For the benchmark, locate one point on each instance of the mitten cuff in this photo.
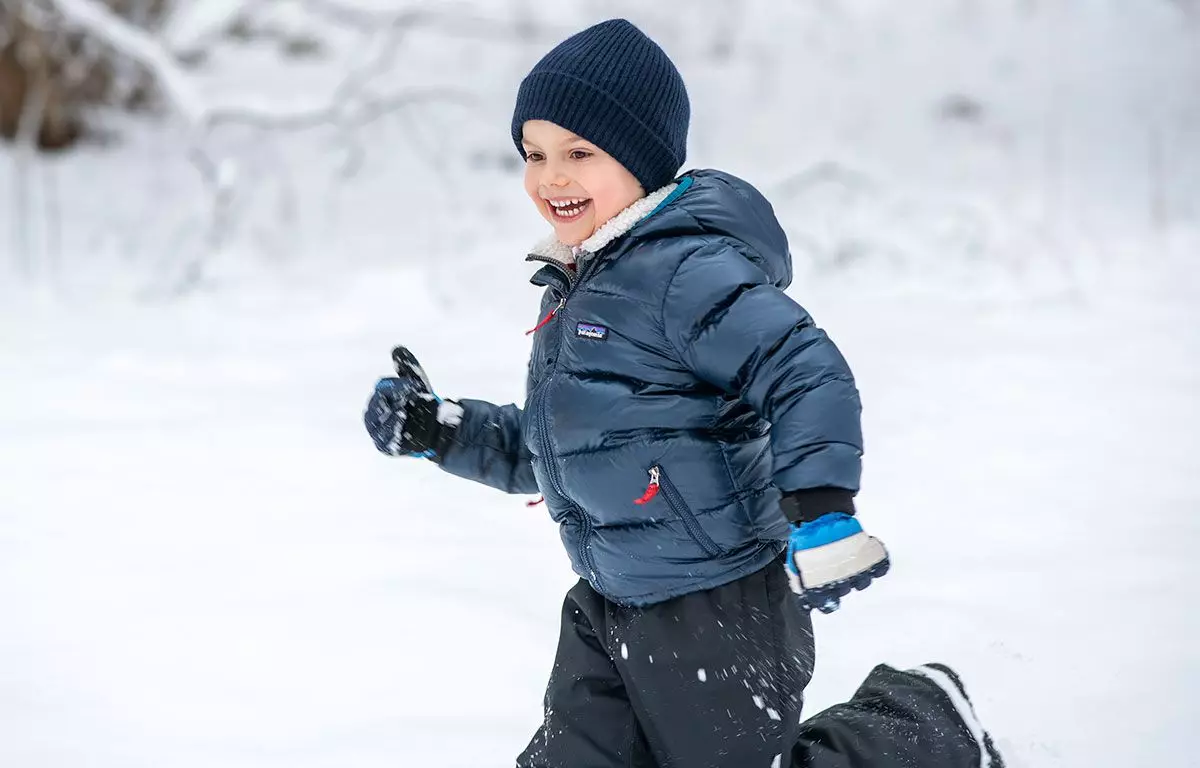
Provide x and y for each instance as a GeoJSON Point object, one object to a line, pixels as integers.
{"type": "Point", "coordinates": [806, 505]}
{"type": "Point", "coordinates": [449, 417]}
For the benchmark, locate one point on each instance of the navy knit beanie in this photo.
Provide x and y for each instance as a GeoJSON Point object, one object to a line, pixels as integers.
{"type": "Point", "coordinates": [612, 85]}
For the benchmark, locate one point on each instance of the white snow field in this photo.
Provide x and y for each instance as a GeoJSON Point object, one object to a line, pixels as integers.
{"type": "Point", "coordinates": [204, 563]}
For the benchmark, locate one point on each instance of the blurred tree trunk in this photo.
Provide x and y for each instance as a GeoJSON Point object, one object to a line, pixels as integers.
{"type": "Point", "coordinates": [45, 65]}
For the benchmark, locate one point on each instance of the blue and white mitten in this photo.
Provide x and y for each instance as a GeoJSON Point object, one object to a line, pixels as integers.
{"type": "Point", "coordinates": [829, 554]}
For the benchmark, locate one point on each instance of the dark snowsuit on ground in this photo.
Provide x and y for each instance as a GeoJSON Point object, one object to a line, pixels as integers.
{"type": "Point", "coordinates": [674, 349]}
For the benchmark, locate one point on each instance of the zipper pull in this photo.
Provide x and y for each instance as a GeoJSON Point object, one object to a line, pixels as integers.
{"type": "Point", "coordinates": [652, 489]}
{"type": "Point", "coordinates": [547, 318]}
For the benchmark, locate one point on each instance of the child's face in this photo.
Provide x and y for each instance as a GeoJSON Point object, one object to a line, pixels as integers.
{"type": "Point", "coordinates": [562, 169]}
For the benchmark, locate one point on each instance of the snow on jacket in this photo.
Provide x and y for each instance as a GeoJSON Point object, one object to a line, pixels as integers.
{"type": "Point", "coordinates": [675, 372]}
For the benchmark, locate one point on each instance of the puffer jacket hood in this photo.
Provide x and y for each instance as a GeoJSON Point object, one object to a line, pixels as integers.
{"type": "Point", "coordinates": [673, 392]}
{"type": "Point", "coordinates": [718, 204]}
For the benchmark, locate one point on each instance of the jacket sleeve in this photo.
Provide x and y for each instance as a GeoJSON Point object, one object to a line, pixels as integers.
{"type": "Point", "coordinates": [487, 447]}
{"type": "Point", "coordinates": [735, 330]}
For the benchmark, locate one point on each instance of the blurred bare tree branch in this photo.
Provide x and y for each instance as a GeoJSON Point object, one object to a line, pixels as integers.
{"type": "Point", "coordinates": [68, 71]}
{"type": "Point", "coordinates": [60, 57]}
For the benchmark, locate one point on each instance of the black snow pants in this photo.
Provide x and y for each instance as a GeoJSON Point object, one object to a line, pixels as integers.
{"type": "Point", "coordinates": [715, 679]}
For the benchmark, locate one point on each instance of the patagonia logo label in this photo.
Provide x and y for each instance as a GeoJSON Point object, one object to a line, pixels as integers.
{"type": "Point", "coordinates": [591, 331]}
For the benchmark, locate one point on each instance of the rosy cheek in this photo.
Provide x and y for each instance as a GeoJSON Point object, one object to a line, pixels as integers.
{"type": "Point", "coordinates": [604, 211]}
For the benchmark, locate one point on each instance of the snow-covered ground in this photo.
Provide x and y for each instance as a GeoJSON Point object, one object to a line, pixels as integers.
{"type": "Point", "coordinates": [204, 562]}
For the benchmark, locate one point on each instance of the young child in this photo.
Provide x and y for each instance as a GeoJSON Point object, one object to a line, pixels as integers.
{"type": "Point", "coordinates": [695, 436]}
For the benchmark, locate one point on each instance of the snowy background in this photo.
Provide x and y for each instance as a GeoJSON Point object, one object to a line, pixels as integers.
{"type": "Point", "coordinates": [994, 207]}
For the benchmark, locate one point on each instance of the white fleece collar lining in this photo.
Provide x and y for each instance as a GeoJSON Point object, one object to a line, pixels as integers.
{"type": "Point", "coordinates": [612, 229]}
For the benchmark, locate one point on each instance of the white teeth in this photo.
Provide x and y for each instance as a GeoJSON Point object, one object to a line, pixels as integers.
{"type": "Point", "coordinates": [568, 209]}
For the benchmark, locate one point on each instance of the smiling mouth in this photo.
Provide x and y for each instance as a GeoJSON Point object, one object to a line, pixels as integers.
{"type": "Point", "coordinates": [568, 209]}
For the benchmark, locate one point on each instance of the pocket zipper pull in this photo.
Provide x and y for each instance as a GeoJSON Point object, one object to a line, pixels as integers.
{"type": "Point", "coordinates": [652, 489]}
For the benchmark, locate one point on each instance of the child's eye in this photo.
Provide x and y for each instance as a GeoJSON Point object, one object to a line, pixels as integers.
{"type": "Point", "coordinates": [533, 157]}
{"type": "Point", "coordinates": [580, 154]}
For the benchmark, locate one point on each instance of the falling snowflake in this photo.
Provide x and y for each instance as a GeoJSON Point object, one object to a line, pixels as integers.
{"type": "Point", "coordinates": [700, 673]}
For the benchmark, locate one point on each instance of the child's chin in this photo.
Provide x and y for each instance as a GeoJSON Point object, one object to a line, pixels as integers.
{"type": "Point", "coordinates": [571, 235]}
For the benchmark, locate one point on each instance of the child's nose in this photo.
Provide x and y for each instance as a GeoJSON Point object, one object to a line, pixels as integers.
{"type": "Point", "coordinates": [553, 176]}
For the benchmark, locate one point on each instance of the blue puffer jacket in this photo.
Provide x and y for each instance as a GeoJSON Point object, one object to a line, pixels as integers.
{"type": "Point", "coordinates": [675, 356]}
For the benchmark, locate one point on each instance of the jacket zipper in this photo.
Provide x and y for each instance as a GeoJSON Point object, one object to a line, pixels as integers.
{"type": "Point", "coordinates": [567, 273]}
{"type": "Point", "coordinates": [543, 429]}
{"type": "Point", "coordinates": [585, 555]}
{"type": "Point", "coordinates": [546, 320]}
